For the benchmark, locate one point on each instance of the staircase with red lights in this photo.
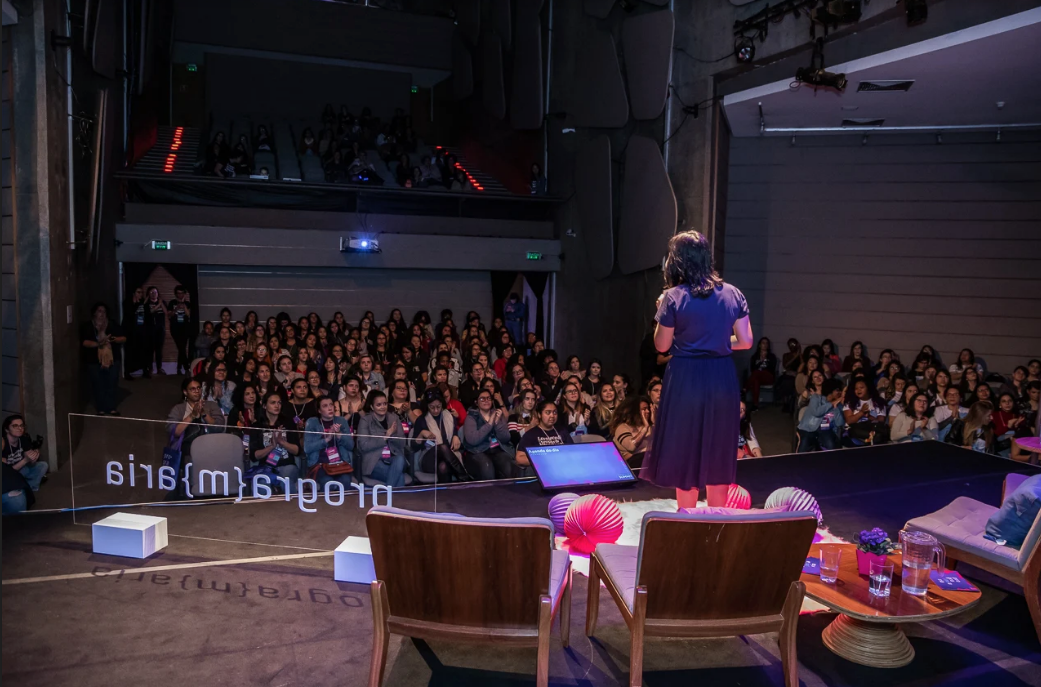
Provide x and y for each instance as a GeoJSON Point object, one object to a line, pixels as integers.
{"type": "Point", "coordinates": [481, 181]}
{"type": "Point", "coordinates": [175, 151]}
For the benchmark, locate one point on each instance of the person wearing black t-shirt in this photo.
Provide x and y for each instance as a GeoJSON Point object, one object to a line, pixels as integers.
{"type": "Point", "coordinates": [136, 333]}
{"type": "Point", "coordinates": [545, 434]}
{"type": "Point", "coordinates": [552, 384]}
{"type": "Point", "coordinates": [274, 442]}
{"type": "Point", "coordinates": [180, 309]}
{"type": "Point", "coordinates": [469, 388]}
{"type": "Point", "coordinates": [155, 327]}
{"type": "Point", "coordinates": [302, 407]}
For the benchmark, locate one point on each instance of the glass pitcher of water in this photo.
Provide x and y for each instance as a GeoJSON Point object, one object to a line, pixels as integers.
{"type": "Point", "coordinates": [920, 549]}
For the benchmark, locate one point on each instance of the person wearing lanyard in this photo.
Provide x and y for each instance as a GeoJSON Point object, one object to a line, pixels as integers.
{"type": "Point", "coordinates": [329, 446]}
{"type": "Point", "coordinates": [273, 441]}
{"type": "Point", "coordinates": [180, 309]}
{"type": "Point", "coordinates": [544, 434]}
{"type": "Point", "coordinates": [155, 326]}
{"type": "Point", "coordinates": [434, 440]}
{"type": "Point", "coordinates": [301, 404]}
{"type": "Point", "coordinates": [381, 441]}
{"type": "Point", "coordinates": [486, 440]}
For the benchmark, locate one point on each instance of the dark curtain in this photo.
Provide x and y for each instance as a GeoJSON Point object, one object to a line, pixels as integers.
{"type": "Point", "coordinates": [537, 281]}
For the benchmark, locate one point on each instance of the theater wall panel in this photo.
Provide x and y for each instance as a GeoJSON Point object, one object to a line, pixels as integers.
{"type": "Point", "coordinates": [595, 204]}
{"type": "Point", "coordinates": [526, 99]}
{"type": "Point", "coordinates": [897, 243]}
{"type": "Point", "coordinates": [647, 46]}
{"type": "Point", "coordinates": [599, 96]}
{"type": "Point", "coordinates": [493, 90]}
{"type": "Point", "coordinates": [648, 207]}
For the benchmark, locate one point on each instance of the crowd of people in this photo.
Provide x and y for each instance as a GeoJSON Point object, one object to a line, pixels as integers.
{"type": "Point", "coordinates": [855, 401]}
{"type": "Point", "coordinates": [394, 400]}
{"type": "Point", "coordinates": [345, 146]}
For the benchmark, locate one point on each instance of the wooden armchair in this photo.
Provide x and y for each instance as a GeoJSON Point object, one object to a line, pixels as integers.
{"type": "Point", "coordinates": [707, 576]}
{"type": "Point", "coordinates": [960, 526]}
{"type": "Point", "coordinates": [493, 580]}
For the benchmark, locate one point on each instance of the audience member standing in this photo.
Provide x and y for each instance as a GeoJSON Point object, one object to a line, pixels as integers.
{"type": "Point", "coordinates": [155, 326]}
{"type": "Point", "coordinates": [180, 309]}
{"type": "Point", "coordinates": [100, 343]}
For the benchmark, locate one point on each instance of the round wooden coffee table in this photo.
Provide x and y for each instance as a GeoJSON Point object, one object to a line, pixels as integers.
{"type": "Point", "coordinates": [867, 630]}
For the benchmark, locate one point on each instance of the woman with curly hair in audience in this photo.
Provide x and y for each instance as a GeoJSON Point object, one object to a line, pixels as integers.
{"type": "Point", "coordinates": [829, 356]}
{"type": "Point", "coordinates": [631, 429]}
{"type": "Point", "coordinates": [865, 413]}
{"type": "Point", "coordinates": [910, 424]}
{"type": "Point", "coordinates": [245, 409]}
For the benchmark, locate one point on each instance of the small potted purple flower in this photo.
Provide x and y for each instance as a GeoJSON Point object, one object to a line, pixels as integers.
{"type": "Point", "coordinates": [872, 545]}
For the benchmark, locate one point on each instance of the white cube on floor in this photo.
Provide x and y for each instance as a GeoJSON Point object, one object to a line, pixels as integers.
{"type": "Point", "coordinates": [352, 561]}
{"type": "Point", "coordinates": [130, 535]}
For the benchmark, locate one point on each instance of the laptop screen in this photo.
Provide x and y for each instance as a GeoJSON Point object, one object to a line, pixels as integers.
{"type": "Point", "coordinates": [579, 465]}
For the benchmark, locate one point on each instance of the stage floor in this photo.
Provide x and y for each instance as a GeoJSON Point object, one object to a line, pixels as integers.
{"type": "Point", "coordinates": [244, 594]}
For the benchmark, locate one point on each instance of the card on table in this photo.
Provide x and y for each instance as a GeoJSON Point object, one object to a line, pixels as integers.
{"type": "Point", "coordinates": [812, 566]}
{"type": "Point", "coordinates": [950, 581]}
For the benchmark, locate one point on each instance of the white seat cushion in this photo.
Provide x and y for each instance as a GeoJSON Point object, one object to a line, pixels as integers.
{"type": "Point", "coordinates": [962, 524]}
{"type": "Point", "coordinates": [558, 561]}
{"type": "Point", "coordinates": [619, 562]}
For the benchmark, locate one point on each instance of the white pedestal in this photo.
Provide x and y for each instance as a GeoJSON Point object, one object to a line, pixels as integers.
{"type": "Point", "coordinates": [130, 535]}
{"type": "Point", "coordinates": [352, 561]}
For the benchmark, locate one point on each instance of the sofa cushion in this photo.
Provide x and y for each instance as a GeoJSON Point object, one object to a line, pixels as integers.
{"type": "Point", "coordinates": [962, 524]}
{"type": "Point", "coordinates": [1016, 516]}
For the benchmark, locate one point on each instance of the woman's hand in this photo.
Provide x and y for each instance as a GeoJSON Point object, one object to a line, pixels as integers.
{"type": "Point", "coordinates": [455, 443]}
{"type": "Point", "coordinates": [33, 455]}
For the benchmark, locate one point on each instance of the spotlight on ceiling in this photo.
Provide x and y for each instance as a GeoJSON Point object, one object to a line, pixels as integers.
{"type": "Point", "coordinates": [744, 49]}
{"type": "Point", "coordinates": [917, 11]}
{"type": "Point", "coordinates": [816, 75]}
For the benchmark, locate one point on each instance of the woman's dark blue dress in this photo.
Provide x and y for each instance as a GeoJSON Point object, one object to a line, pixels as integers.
{"type": "Point", "coordinates": [695, 435]}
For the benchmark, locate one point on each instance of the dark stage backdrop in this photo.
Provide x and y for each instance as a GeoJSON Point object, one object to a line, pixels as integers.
{"type": "Point", "coordinates": [897, 243]}
{"type": "Point", "coordinates": [238, 85]}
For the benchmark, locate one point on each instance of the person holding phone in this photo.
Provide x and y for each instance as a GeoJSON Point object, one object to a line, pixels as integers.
{"type": "Point", "coordinates": [701, 321]}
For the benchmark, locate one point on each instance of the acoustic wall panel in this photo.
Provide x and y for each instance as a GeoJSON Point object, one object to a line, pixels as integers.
{"type": "Point", "coordinates": [501, 17]}
{"type": "Point", "coordinates": [649, 211]}
{"type": "Point", "coordinates": [526, 100]}
{"type": "Point", "coordinates": [647, 46]}
{"type": "Point", "coordinates": [594, 201]}
{"type": "Point", "coordinates": [600, 92]}
{"type": "Point", "coordinates": [493, 91]}
{"type": "Point", "coordinates": [462, 68]}
{"type": "Point", "coordinates": [598, 8]}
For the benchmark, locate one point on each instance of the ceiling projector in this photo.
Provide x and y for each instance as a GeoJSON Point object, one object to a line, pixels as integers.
{"type": "Point", "coordinates": [359, 245]}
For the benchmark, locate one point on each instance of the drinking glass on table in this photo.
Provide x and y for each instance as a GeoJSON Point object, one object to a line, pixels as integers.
{"type": "Point", "coordinates": [880, 578]}
{"type": "Point", "coordinates": [830, 558]}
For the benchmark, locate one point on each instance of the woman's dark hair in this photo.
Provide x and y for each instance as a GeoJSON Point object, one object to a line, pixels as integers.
{"type": "Point", "coordinates": [433, 394]}
{"type": "Point", "coordinates": [628, 412]}
{"type": "Point", "coordinates": [188, 380]}
{"type": "Point", "coordinates": [268, 395]}
{"type": "Point", "coordinates": [542, 405]}
{"type": "Point", "coordinates": [909, 408]}
{"type": "Point", "coordinates": [851, 392]}
{"type": "Point", "coordinates": [972, 356]}
{"type": "Point", "coordinates": [826, 342]}
{"type": "Point", "coordinates": [655, 381]}
{"type": "Point", "coordinates": [689, 263]}
{"type": "Point", "coordinates": [853, 347]}
{"type": "Point", "coordinates": [596, 361]}
{"type": "Point", "coordinates": [934, 357]}
{"type": "Point", "coordinates": [371, 399]}
{"type": "Point", "coordinates": [769, 345]}
{"type": "Point", "coordinates": [94, 309]}
{"type": "Point", "coordinates": [745, 428]}
{"type": "Point", "coordinates": [11, 418]}
{"type": "Point", "coordinates": [239, 395]}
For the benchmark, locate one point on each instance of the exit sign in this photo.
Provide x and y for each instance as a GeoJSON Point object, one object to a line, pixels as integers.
{"type": "Point", "coordinates": [532, 255]}
{"type": "Point", "coordinates": [162, 245]}
{"type": "Point", "coordinates": [415, 89]}
{"type": "Point", "coordinates": [192, 68]}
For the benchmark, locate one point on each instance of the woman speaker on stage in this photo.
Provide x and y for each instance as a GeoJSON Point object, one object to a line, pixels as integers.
{"type": "Point", "coordinates": [701, 320]}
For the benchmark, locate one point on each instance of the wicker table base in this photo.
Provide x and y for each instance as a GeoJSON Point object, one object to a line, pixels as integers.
{"type": "Point", "coordinates": [874, 644]}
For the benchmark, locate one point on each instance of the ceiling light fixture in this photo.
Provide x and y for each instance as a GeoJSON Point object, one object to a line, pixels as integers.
{"type": "Point", "coordinates": [816, 75]}
{"type": "Point", "coordinates": [744, 49]}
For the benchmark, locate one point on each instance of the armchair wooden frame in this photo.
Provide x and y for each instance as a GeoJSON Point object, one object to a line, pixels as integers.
{"type": "Point", "coordinates": [471, 580]}
{"type": "Point", "coordinates": [742, 578]}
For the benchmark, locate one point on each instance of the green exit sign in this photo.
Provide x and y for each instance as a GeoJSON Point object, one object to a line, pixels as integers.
{"type": "Point", "coordinates": [162, 245]}
{"type": "Point", "coordinates": [532, 255]}
{"type": "Point", "coordinates": [415, 89]}
{"type": "Point", "coordinates": [192, 68]}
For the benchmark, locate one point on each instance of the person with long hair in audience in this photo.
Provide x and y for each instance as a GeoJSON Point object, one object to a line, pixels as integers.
{"type": "Point", "coordinates": [912, 423]}
{"type": "Point", "coordinates": [266, 382]}
{"type": "Point", "coordinates": [938, 389]}
{"type": "Point", "coordinates": [977, 433]}
{"type": "Point", "coordinates": [544, 433]}
{"type": "Point", "coordinates": [865, 412]}
{"type": "Point", "coordinates": [381, 441]}
{"type": "Point", "coordinates": [966, 360]}
{"type": "Point", "coordinates": [1006, 420]}
{"type": "Point", "coordinates": [487, 452]}
{"type": "Point", "coordinates": [573, 414]}
{"type": "Point", "coordinates": [573, 368]}
{"type": "Point", "coordinates": [970, 380]}
{"type": "Point", "coordinates": [653, 393]}
{"type": "Point", "coordinates": [828, 354]}
{"type": "Point", "coordinates": [747, 445]}
{"type": "Point", "coordinates": [762, 368]}
{"type": "Point", "coordinates": [274, 443]}
{"type": "Point", "coordinates": [813, 385]}
{"type": "Point", "coordinates": [100, 344]}
{"type": "Point", "coordinates": [785, 383]}
{"type": "Point", "coordinates": [856, 353]}
{"type": "Point", "coordinates": [401, 403]}
{"type": "Point", "coordinates": [893, 392]}
{"type": "Point", "coordinates": [809, 366]}
{"type": "Point", "coordinates": [631, 429]}
{"type": "Point", "coordinates": [700, 321]}
{"type": "Point", "coordinates": [329, 379]}
{"type": "Point", "coordinates": [523, 416]}
{"type": "Point", "coordinates": [314, 385]}
{"type": "Point", "coordinates": [352, 402]}
{"type": "Point", "coordinates": [246, 409]}
{"type": "Point", "coordinates": [302, 406]}
{"type": "Point", "coordinates": [621, 383]}
{"type": "Point", "coordinates": [218, 388]}
{"type": "Point", "coordinates": [435, 443]}
{"type": "Point", "coordinates": [879, 369]}
{"type": "Point", "coordinates": [885, 382]}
